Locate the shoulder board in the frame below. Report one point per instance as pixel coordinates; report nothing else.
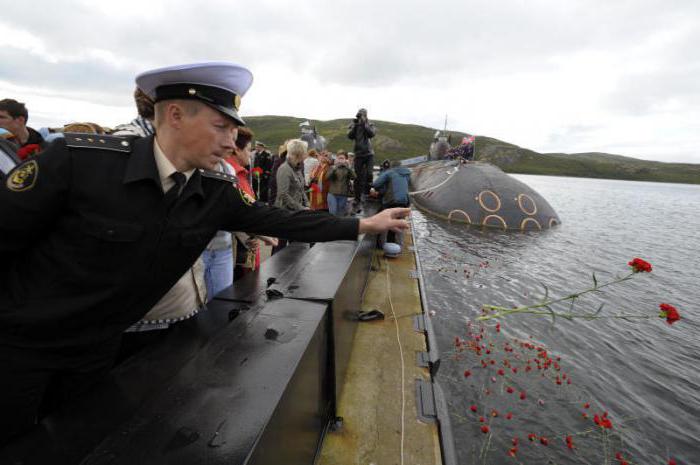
(97, 141)
(219, 176)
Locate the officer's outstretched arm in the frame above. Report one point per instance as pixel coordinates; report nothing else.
(32, 197)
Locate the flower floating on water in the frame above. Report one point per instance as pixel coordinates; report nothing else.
(640, 266)
(545, 306)
(603, 421)
(670, 313)
(570, 442)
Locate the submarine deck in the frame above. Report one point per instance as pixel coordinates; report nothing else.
(380, 412)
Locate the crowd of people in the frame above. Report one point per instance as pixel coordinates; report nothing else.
(110, 238)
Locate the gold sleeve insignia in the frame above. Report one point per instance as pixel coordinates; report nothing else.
(247, 198)
(23, 177)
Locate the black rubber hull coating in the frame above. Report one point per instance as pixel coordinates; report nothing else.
(479, 194)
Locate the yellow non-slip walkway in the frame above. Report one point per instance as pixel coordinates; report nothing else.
(381, 424)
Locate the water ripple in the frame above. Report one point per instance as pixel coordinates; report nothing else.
(644, 372)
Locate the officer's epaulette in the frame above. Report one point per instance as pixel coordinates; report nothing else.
(98, 141)
(220, 176)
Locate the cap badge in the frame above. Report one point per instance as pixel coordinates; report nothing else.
(236, 102)
(192, 91)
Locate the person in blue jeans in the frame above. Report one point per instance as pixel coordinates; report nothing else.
(218, 256)
(339, 185)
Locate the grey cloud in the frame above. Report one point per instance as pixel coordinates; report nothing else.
(569, 136)
(81, 77)
(356, 42)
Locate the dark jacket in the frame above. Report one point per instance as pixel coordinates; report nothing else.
(89, 245)
(361, 133)
(339, 180)
(393, 183)
(263, 160)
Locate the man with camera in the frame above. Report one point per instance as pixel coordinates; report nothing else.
(361, 131)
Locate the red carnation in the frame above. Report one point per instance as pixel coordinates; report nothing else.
(27, 150)
(257, 171)
(522, 395)
(485, 429)
(544, 441)
(467, 373)
(509, 390)
(640, 266)
(473, 408)
(501, 372)
(532, 436)
(570, 442)
(670, 313)
(671, 462)
(509, 416)
(482, 420)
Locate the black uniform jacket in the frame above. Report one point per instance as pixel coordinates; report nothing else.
(88, 246)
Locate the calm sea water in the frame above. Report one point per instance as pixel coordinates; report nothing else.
(645, 374)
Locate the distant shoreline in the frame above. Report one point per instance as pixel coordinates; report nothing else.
(401, 141)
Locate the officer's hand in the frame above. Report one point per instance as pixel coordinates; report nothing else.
(393, 219)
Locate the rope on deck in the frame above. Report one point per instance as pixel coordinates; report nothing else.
(398, 340)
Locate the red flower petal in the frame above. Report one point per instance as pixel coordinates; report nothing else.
(473, 408)
(640, 266)
(670, 313)
(485, 429)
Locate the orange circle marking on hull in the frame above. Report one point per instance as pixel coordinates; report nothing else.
(494, 196)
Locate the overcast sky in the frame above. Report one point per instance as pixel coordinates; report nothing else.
(572, 76)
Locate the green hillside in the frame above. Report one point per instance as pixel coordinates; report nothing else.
(398, 141)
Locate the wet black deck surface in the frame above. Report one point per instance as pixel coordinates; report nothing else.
(251, 380)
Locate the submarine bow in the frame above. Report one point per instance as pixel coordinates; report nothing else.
(479, 194)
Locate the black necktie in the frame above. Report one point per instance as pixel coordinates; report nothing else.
(175, 191)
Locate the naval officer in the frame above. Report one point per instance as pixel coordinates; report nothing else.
(95, 230)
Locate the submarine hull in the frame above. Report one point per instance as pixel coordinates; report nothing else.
(479, 194)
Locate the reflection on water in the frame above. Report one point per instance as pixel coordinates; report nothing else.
(645, 374)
